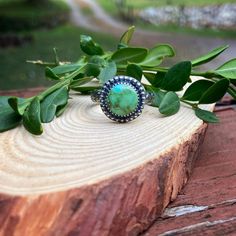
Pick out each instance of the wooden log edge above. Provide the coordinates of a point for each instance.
(115, 206)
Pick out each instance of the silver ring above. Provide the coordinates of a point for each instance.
(122, 98)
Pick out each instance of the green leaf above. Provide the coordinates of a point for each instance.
(228, 69)
(196, 90)
(155, 79)
(92, 70)
(215, 92)
(209, 56)
(206, 116)
(79, 76)
(50, 74)
(94, 66)
(107, 72)
(89, 46)
(4, 102)
(157, 54)
(31, 117)
(61, 109)
(19, 104)
(177, 76)
(170, 104)
(50, 104)
(127, 36)
(132, 55)
(63, 69)
(9, 119)
(158, 95)
(134, 71)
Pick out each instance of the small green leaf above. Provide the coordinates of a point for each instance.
(31, 117)
(215, 92)
(170, 104)
(134, 71)
(79, 76)
(50, 103)
(132, 55)
(155, 79)
(4, 102)
(9, 119)
(107, 72)
(206, 115)
(19, 104)
(177, 76)
(89, 46)
(157, 54)
(50, 74)
(209, 56)
(158, 95)
(61, 109)
(196, 90)
(94, 66)
(228, 69)
(127, 36)
(92, 70)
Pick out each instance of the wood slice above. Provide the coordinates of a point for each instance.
(87, 175)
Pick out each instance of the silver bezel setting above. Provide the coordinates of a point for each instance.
(138, 87)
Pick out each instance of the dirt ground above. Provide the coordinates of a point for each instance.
(187, 46)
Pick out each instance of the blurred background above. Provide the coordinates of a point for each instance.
(30, 29)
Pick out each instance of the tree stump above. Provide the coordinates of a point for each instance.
(87, 175)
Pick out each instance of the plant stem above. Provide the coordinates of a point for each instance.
(193, 105)
(42, 63)
(53, 88)
(233, 88)
(65, 81)
(207, 74)
(232, 92)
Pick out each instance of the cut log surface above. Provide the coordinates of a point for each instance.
(87, 175)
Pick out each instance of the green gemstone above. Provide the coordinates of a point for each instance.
(122, 99)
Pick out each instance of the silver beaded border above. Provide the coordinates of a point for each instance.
(122, 80)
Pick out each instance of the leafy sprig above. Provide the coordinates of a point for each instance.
(138, 62)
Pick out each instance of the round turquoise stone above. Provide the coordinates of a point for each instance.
(122, 99)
